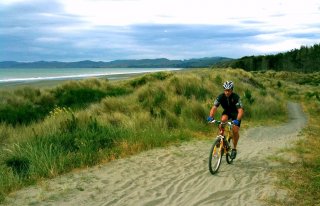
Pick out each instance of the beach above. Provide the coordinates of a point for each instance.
(46, 78)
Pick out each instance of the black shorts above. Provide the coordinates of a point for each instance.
(232, 116)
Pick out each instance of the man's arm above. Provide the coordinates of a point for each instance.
(213, 111)
(215, 106)
(240, 114)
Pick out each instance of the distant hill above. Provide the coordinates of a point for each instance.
(142, 63)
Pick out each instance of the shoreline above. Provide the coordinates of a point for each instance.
(48, 83)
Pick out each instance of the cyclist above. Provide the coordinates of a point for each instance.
(233, 110)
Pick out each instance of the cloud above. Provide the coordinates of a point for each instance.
(35, 30)
(30, 30)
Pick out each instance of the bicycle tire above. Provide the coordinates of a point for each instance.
(228, 158)
(228, 155)
(215, 156)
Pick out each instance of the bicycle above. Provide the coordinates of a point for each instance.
(220, 146)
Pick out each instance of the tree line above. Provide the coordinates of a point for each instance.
(305, 59)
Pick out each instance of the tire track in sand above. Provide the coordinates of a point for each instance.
(177, 175)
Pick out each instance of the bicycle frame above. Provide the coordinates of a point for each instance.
(225, 127)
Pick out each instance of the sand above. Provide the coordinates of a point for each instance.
(177, 175)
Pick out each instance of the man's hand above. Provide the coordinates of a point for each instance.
(210, 119)
(236, 122)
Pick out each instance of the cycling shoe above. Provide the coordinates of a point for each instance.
(233, 154)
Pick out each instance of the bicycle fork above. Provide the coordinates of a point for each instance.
(224, 144)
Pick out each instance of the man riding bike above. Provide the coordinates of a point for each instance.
(233, 110)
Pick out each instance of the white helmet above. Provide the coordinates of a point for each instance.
(228, 85)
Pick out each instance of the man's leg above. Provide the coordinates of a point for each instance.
(235, 141)
(235, 136)
(224, 118)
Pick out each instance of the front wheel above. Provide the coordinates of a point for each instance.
(215, 156)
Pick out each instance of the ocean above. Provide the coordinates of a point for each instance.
(16, 75)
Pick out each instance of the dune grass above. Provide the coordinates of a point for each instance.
(299, 174)
(48, 132)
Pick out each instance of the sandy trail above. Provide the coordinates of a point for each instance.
(177, 175)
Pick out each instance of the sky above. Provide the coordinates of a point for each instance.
(106, 30)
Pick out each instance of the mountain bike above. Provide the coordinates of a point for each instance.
(221, 146)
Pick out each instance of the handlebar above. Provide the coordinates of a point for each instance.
(217, 122)
(221, 125)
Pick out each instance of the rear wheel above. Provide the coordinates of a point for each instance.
(228, 157)
(216, 153)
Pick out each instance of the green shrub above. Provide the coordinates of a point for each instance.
(253, 82)
(263, 92)
(112, 104)
(157, 134)
(74, 137)
(138, 81)
(19, 165)
(248, 96)
(8, 182)
(189, 88)
(271, 110)
(218, 80)
(196, 111)
(28, 105)
(81, 96)
(196, 91)
(157, 112)
(311, 95)
(177, 107)
(153, 99)
(159, 98)
(21, 114)
(28, 93)
(161, 75)
(279, 84)
(152, 96)
(77, 97)
(172, 120)
(75, 145)
(117, 91)
(149, 78)
(291, 92)
(69, 125)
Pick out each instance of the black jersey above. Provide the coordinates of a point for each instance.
(230, 104)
